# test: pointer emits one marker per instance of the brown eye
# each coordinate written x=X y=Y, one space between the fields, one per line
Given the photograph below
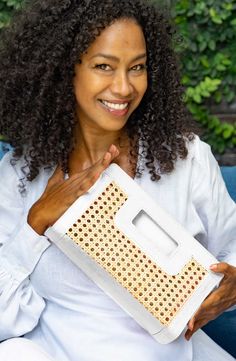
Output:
x=104 y=67
x=138 y=67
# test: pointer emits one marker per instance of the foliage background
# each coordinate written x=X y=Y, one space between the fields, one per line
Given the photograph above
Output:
x=207 y=49
x=208 y=58
x=6 y=9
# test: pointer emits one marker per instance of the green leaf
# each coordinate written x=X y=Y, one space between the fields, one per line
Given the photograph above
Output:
x=221 y=67
x=212 y=12
x=230 y=96
x=4 y=19
x=205 y=62
x=233 y=22
x=16 y=4
x=212 y=44
x=228 y=132
x=217 y=20
x=221 y=148
x=185 y=79
x=215 y=17
x=226 y=61
x=213 y=122
x=202 y=46
x=2 y=138
x=190 y=92
x=197 y=98
x=182 y=5
x=193 y=47
x=218 y=130
x=218 y=97
x=200 y=7
x=227 y=6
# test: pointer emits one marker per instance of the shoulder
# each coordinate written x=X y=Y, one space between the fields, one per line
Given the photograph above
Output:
x=199 y=162
x=201 y=159
x=199 y=151
x=13 y=177
x=9 y=169
x=197 y=174
x=206 y=179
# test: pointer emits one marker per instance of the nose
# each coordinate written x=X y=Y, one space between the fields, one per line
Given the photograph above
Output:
x=121 y=85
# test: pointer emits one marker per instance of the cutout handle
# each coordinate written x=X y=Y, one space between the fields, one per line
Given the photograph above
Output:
x=158 y=239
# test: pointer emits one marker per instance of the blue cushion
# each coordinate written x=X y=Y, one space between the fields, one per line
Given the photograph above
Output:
x=223 y=331
x=4 y=147
x=229 y=175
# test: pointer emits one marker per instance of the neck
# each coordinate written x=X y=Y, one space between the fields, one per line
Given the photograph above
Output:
x=91 y=145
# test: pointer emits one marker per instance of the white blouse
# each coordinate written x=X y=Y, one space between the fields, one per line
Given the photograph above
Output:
x=45 y=297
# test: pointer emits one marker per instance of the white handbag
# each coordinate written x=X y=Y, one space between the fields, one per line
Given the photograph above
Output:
x=137 y=253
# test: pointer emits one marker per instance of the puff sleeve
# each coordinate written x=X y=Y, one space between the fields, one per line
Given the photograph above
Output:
x=20 y=250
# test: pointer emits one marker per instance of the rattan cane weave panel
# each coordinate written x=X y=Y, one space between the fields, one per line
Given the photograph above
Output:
x=161 y=294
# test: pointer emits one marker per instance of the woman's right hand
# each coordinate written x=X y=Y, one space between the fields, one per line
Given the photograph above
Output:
x=60 y=193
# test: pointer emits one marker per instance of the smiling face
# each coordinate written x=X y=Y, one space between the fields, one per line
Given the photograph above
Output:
x=111 y=79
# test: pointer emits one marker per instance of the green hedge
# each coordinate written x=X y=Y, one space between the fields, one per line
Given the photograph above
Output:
x=208 y=57
x=6 y=9
x=208 y=30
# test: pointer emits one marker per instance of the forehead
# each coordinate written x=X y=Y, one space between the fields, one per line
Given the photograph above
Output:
x=122 y=35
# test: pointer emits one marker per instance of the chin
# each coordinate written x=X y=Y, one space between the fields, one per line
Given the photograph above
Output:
x=114 y=124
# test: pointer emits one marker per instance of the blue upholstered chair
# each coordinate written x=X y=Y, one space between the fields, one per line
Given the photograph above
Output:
x=229 y=175
x=223 y=329
x=4 y=147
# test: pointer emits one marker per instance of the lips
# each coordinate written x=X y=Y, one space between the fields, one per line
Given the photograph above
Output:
x=118 y=108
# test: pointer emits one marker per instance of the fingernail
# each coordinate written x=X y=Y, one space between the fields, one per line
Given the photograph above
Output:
x=213 y=267
x=106 y=156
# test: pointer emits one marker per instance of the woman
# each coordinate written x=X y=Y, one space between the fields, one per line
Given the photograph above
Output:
x=85 y=84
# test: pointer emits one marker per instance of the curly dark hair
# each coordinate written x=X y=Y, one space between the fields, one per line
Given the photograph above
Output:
x=38 y=53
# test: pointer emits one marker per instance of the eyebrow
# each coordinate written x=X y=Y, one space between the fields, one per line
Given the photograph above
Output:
x=114 y=58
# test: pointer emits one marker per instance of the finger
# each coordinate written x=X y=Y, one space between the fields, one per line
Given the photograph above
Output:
x=188 y=334
x=197 y=325
x=110 y=155
x=105 y=160
x=199 y=318
x=80 y=183
x=214 y=304
x=221 y=267
x=194 y=326
x=113 y=150
x=206 y=312
x=191 y=323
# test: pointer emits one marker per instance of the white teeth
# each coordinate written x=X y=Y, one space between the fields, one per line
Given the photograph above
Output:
x=115 y=106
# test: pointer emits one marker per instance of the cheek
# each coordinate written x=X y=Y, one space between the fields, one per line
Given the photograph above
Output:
x=89 y=87
x=141 y=86
x=77 y=88
x=145 y=85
